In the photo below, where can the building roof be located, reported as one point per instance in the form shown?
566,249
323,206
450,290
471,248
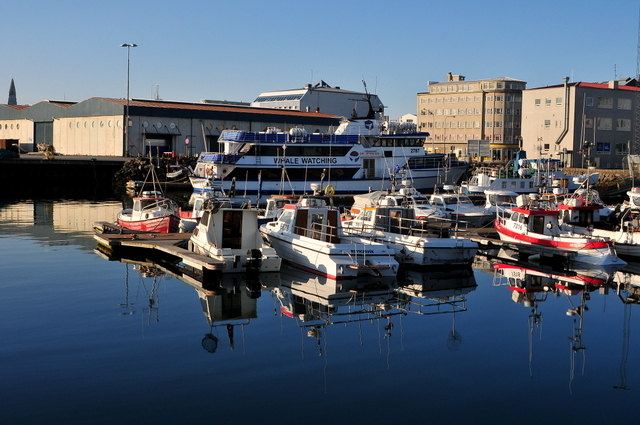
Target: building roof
210,107
465,81
588,85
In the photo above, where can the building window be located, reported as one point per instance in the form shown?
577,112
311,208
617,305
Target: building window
588,123
623,124
588,101
489,111
624,103
602,147
622,148
537,102
605,102
558,101
489,98
547,123
499,98
499,111
497,124
545,147
508,111
603,123
547,102
488,124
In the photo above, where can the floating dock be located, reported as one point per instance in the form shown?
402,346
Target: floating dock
167,245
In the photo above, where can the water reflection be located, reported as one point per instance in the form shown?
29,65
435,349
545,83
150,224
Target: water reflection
230,301
531,284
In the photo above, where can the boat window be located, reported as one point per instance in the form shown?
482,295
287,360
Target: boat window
317,221
366,215
232,229
286,218
515,216
451,201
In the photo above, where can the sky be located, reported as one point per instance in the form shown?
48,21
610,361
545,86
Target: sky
234,50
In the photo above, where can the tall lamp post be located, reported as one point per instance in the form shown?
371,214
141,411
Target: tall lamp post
126,112
444,137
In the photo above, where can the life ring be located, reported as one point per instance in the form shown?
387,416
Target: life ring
209,170
329,190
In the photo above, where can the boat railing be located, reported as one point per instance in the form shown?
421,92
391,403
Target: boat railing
318,231
151,205
400,226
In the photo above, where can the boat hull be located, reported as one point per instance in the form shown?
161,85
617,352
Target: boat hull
335,261
592,251
166,224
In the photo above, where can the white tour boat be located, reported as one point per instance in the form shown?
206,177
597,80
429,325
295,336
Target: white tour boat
309,234
361,155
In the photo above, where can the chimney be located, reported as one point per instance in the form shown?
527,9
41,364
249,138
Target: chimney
613,84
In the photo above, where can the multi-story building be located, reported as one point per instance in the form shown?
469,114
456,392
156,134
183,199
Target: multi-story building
459,113
580,123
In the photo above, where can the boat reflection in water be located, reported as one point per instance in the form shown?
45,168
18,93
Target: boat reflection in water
231,303
316,302
531,285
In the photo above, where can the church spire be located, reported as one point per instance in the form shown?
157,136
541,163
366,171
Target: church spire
12,94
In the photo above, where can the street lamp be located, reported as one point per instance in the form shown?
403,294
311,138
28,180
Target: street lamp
444,136
126,113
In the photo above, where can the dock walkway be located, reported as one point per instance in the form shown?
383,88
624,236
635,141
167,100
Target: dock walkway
160,243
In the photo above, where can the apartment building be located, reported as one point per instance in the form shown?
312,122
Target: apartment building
460,114
580,123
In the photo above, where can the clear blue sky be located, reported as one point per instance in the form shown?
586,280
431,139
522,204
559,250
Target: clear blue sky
233,50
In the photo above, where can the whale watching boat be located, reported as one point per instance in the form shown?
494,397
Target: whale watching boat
309,235
536,224
361,155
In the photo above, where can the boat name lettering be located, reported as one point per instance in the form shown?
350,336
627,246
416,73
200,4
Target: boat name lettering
518,226
370,153
305,160
362,251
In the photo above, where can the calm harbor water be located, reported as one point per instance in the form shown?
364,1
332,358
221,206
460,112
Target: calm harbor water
92,339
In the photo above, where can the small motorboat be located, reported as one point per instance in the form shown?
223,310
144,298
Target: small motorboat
231,235
309,234
533,223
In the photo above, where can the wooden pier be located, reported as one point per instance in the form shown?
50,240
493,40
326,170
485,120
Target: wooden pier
167,245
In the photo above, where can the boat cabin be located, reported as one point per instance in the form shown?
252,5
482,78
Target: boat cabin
230,227
312,219
534,220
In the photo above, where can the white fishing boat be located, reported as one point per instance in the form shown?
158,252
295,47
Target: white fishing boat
523,175
406,196
584,213
309,234
499,200
274,206
190,217
231,235
532,223
361,155
412,241
151,210
460,208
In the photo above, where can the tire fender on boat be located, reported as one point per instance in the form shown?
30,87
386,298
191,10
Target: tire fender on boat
329,190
